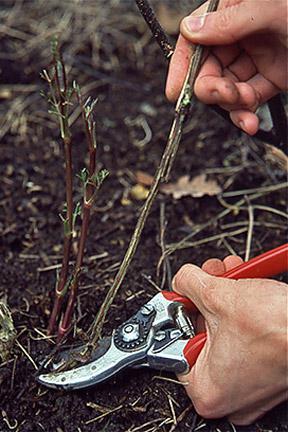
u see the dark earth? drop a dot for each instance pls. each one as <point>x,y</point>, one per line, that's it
<point>108,49</point>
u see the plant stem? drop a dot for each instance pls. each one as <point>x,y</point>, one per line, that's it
<point>162,174</point>
<point>64,326</point>
<point>88,199</point>
<point>60,288</point>
<point>60,97</point>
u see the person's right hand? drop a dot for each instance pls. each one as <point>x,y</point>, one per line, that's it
<point>242,370</point>
<point>247,62</point>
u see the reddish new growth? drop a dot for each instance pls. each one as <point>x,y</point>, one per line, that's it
<point>60,98</point>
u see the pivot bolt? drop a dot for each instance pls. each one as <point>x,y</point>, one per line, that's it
<point>130,332</point>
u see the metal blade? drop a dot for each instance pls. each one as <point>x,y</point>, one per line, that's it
<point>102,367</point>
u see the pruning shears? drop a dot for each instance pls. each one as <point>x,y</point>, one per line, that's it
<point>160,335</point>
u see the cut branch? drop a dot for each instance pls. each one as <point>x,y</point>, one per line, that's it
<point>162,174</point>
<point>155,27</point>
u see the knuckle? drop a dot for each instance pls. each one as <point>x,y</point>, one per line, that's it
<point>209,294</point>
<point>219,295</point>
<point>183,275</point>
<point>225,20</point>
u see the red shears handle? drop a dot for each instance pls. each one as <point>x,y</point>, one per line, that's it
<point>265,265</point>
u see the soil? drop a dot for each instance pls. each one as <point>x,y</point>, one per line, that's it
<point>128,73</point>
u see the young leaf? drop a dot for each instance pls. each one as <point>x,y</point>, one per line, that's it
<point>76,213</point>
<point>83,175</point>
<point>61,76</point>
<point>99,177</point>
<point>54,45</point>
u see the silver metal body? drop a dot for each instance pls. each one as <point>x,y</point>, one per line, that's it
<point>155,336</point>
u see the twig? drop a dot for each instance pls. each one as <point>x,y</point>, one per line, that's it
<point>103,415</point>
<point>269,188</point>
<point>27,355</point>
<point>166,264</point>
<point>174,381</point>
<point>271,210</point>
<point>138,428</point>
<point>228,247</point>
<point>256,224</point>
<point>212,238</point>
<point>151,282</point>
<point>180,418</point>
<point>250,230</point>
<point>155,27</point>
<point>199,228</point>
<point>162,174</point>
<point>172,409</point>
<point>200,425</point>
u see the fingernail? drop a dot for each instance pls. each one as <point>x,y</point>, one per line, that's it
<point>194,24</point>
<point>215,94</point>
<point>173,284</point>
<point>242,125</point>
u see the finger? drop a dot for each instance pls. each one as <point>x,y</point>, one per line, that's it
<point>263,87</point>
<point>213,266</point>
<point>231,22</point>
<point>212,88</point>
<point>232,261</point>
<point>179,63</point>
<point>228,94</point>
<point>178,68</point>
<point>201,288</point>
<point>249,98</point>
<point>245,120</point>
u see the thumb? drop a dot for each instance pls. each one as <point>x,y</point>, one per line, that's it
<point>201,288</point>
<point>232,22</point>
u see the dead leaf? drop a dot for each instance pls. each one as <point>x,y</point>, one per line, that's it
<point>125,201</point>
<point>197,187</point>
<point>143,178</point>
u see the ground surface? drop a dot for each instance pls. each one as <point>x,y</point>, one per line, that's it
<point>108,49</point>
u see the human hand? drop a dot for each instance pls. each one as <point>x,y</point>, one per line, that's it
<point>246,63</point>
<point>242,370</point>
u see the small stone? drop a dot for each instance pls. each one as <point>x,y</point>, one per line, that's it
<point>139,192</point>
<point>148,109</point>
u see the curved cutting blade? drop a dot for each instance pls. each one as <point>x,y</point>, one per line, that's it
<point>103,365</point>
